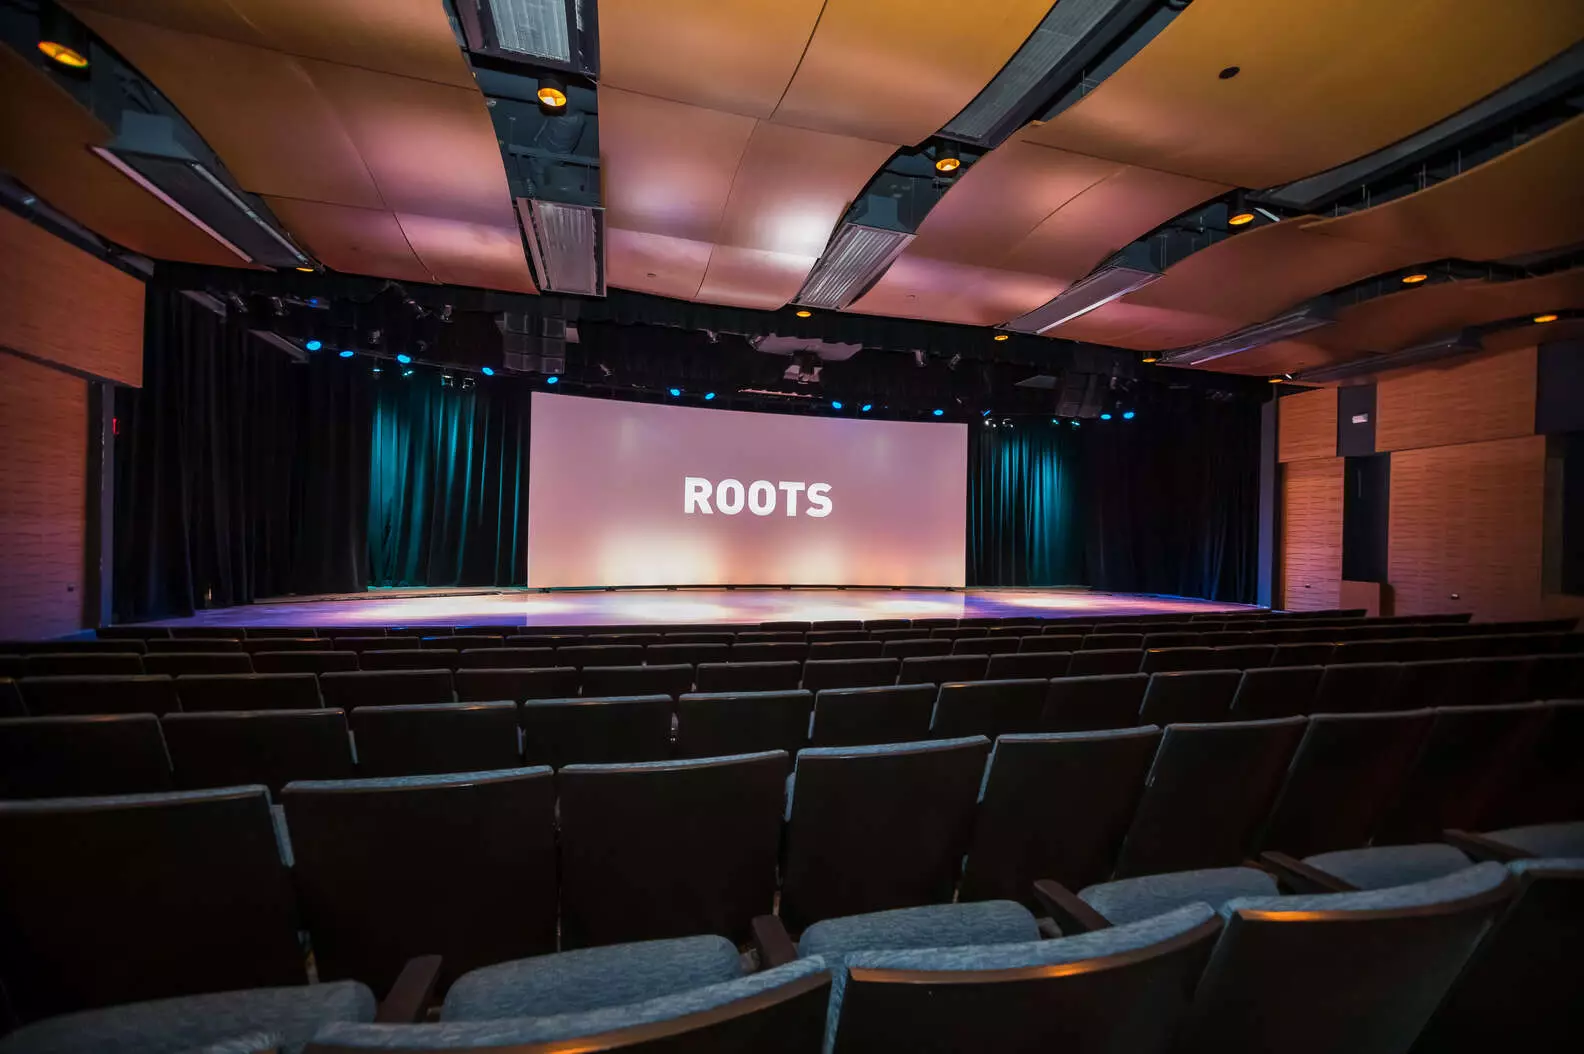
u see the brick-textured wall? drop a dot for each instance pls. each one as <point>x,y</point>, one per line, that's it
<point>1311,493</point>
<point>43,465</point>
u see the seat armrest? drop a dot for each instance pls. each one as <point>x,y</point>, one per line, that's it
<point>1063,905</point>
<point>410,996</point>
<point>1300,877</point>
<point>1481,848</point>
<point>771,940</point>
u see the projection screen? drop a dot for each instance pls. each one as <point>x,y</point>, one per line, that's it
<point>633,494</point>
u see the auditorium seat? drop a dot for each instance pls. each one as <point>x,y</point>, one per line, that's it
<point>59,757</point>
<point>139,633</point>
<point>901,633</point>
<point>1063,642</point>
<point>408,659</point>
<point>197,644</point>
<point>933,623</point>
<point>670,680</point>
<point>381,643</point>
<point>121,899</point>
<point>768,651</point>
<point>988,708</point>
<point>937,669</point>
<point>1277,691</point>
<point>957,632</point>
<point>1066,627</point>
<point>115,646</point>
<point>1360,688</point>
<point>698,838</point>
<point>248,691</point>
<point>1241,656</point>
<point>278,632</point>
<point>460,866</point>
<point>1209,790</point>
<point>1556,677</point>
<point>1105,661</point>
<point>715,724</point>
<point>488,685</point>
<point>543,640</point>
<point>786,625</point>
<point>725,638</point>
<point>334,632</point>
<point>272,747</point>
<point>1170,659</point>
<point>747,676</point>
<point>835,636</point>
<point>1302,654</point>
<point>11,699</point>
<point>1113,641</point>
<point>870,828</point>
<point>252,646</point>
<point>759,636</point>
<point>1545,783</point>
<point>850,673</point>
<point>985,645</point>
<point>879,714</point>
<point>197,662</point>
<point>874,624</point>
<point>505,658</point>
<point>463,641</point>
<point>1015,628</point>
<point>1189,695</point>
<point>1172,639</point>
<point>560,732</point>
<point>673,651</point>
<point>427,738</point>
<point>845,649</point>
<point>304,661</point>
<point>914,647</point>
<point>1055,806</point>
<point>1123,988</point>
<point>1041,664</point>
<point>80,664</point>
<point>643,639</point>
<point>64,696</point>
<point>348,691</point>
<point>1345,773</point>
<point>1376,650</point>
<point>1085,704</point>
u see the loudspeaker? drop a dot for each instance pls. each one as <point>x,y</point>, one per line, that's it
<point>1081,395</point>
<point>532,345</point>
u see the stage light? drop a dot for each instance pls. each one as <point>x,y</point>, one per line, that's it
<point>946,159</point>
<point>1002,336</point>
<point>836,404</point>
<point>1105,417</point>
<point>1276,380</point>
<point>488,371</point>
<point>1127,415</point>
<point>1240,218</point>
<point>708,396</point>
<point>404,359</point>
<point>938,413</point>
<point>984,413</point>
<point>552,92</point>
<point>376,371</point>
<point>306,268</point>
<point>803,312</point>
<point>1150,358</point>
<point>866,407</point>
<point>552,379</point>
<point>1075,424</point>
<point>676,392</point>
<point>66,56</point>
<point>1541,319</point>
<point>1415,278</point>
<point>313,345</point>
<point>347,353</point>
<point>407,373</point>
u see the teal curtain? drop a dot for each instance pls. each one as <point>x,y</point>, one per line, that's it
<point>448,483</point>
<point>1023,528</point>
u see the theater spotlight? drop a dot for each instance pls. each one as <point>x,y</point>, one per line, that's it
<point>313,345</point>
<point>552,379</point>
<point>62,40</point>
<point>552,92</point>
<point>947,160</point>
<point>1542,319</point>
<point>938,412</point>
<point>1105,417</point>
<point>404,359</point>
<point>1415,278</point>
<point>866,407</point>
<point>1002,336</point>
<point>803,312</point>
<point>347,353</point>
<point>708,396</point>
<point>1127,415</point>
<point>984,413</point>
<point>488,371</point>
<point>676,393</point>
<point>836,404</point>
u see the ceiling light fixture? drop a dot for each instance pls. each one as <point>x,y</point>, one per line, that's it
<point>803,312</point>
<point>1415,278</point>
<point>1541,319</point>
<point>1150,358</point>
<point>1002,336</point>
<point>63,54</point>
<point>552,92</point>
<point>1240,218</point>
<point>1083,296</point>
<point>947,160</point>
<point>306,268</point>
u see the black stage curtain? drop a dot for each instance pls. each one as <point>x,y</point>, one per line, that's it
<point>448,500</point>
<point>239,472</point>
<point>1023,509</point>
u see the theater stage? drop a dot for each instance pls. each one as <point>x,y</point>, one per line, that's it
<point>523,607</point>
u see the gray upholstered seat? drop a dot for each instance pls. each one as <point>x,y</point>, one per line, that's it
<point>1544,839</point>
<point>930,926</point>
<point>1390,865</point>
<point>290,1015</point>
<point>569,1024</point>
<point>1467,882</point>
<point>1131,899</point>
<point>591,978</point>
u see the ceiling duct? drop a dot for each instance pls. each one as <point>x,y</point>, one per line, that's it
<point>562,34</point>
<point>1462,344</point>
<point>1311,316</point>
<point>855,259</point>
<point>566,243</point>
<point>1071,35</point>
<point>1083,296</point>
<point>149,151</point>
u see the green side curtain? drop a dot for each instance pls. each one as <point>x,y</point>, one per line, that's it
<point>448,483</point>
<point>1022,493</point>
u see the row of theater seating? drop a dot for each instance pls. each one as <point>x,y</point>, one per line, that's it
<point>216,890</point>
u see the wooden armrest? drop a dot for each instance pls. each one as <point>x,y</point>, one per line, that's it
<point>1300,877</point>
<point>771,940</point>
<point>410,995</point>
<point>1070,913</point>
<point>1480,847</point>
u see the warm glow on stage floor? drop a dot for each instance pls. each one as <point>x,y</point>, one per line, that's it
<point>520,607</point>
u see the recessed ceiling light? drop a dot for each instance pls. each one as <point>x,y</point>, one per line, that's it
<point>1002,336</point>
<point>1151,358</point>
<point>552,92</point>
<point>1241,218</point>
<point>1545,318</point>
<point>66,56</point>
<point>803,312</point>
<point>1415,278</point>
<point>305,267</point>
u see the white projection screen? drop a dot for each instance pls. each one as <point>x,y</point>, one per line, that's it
<point>636,494</point>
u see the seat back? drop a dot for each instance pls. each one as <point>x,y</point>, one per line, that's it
<point>272,747</point>
<point>489,685</point>
<point>1546,783</point>
<point>461,866</point>
<point>197,644</point>
<point>871,828</point>
<point>984,645</point>
<point>988,708</point>
<point>892,713</point>
<point>1161,660</point>
<point>1345,773</point>
<point>1125,988</point>
<point>597,731</point>
<point>1275,691</point>
<point>348,691</point>
<point>122,899</point>
<point>1241,656</point>
<point>715,724</point>
<point>1556,677</point>
<point>845,649</point>
<point>66,696</point>
<point>176,663</point>
<point>915,647</point>
<point>713,638</point>
<point>1055,806</point>
<point>81,664</point>
<point>1206,795</point>
<point>464,641</point>
<point>1095,663</point>
<point>321,661</point>
<point>938,669</point>
<point>1086,704</point>
<point>11,699</point>
<point>581,655</point>
<point>672,680</point>
<point>431,738</point>
<point>1360,972</point>
<point>1052,642</point>
<point>1357,688</point>
<point>1041,664</point>
<point>248,691</point>
<point>699,838</point>
<point>692,653</point>
<point>1302,654</point>
<point>378,643</point>
<point>749,650</point>
<point>850,673</point>
<point>61,757</point>
<point>748,676</point>
<point>505,658</point>
<point>1189,695</point>
<point>1102,640</point>
<point>408,659</point>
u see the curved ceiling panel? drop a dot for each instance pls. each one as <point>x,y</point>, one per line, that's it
<point>45,138</point>
<point>1273,360</point>
<point>737,57</point>
<point>1237,282</point>
<point>943,291</point>
<point>1313,91</point>
<point>350,239</point>
<point>1528,200</point>
<point>754,278</point>
<point>1529,336</point>
<point>898,70</point>
<point>655,263</point>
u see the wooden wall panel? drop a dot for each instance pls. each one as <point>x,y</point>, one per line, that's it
<point>43,488</point>
<point>1479,399</point>
<point>1466,528</point>
<point>1307,425</point>
<point>59,304</point>
<point>1311,493</point>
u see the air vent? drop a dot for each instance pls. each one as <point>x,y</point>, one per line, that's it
<point>1461,344</point>
<point>557,33</point>
<point>855,260</point>
<point>567,244</point>
<point>1284,327</point>
<point>1080,298</point>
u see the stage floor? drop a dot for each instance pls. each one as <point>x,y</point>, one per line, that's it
<point>522,607</point>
